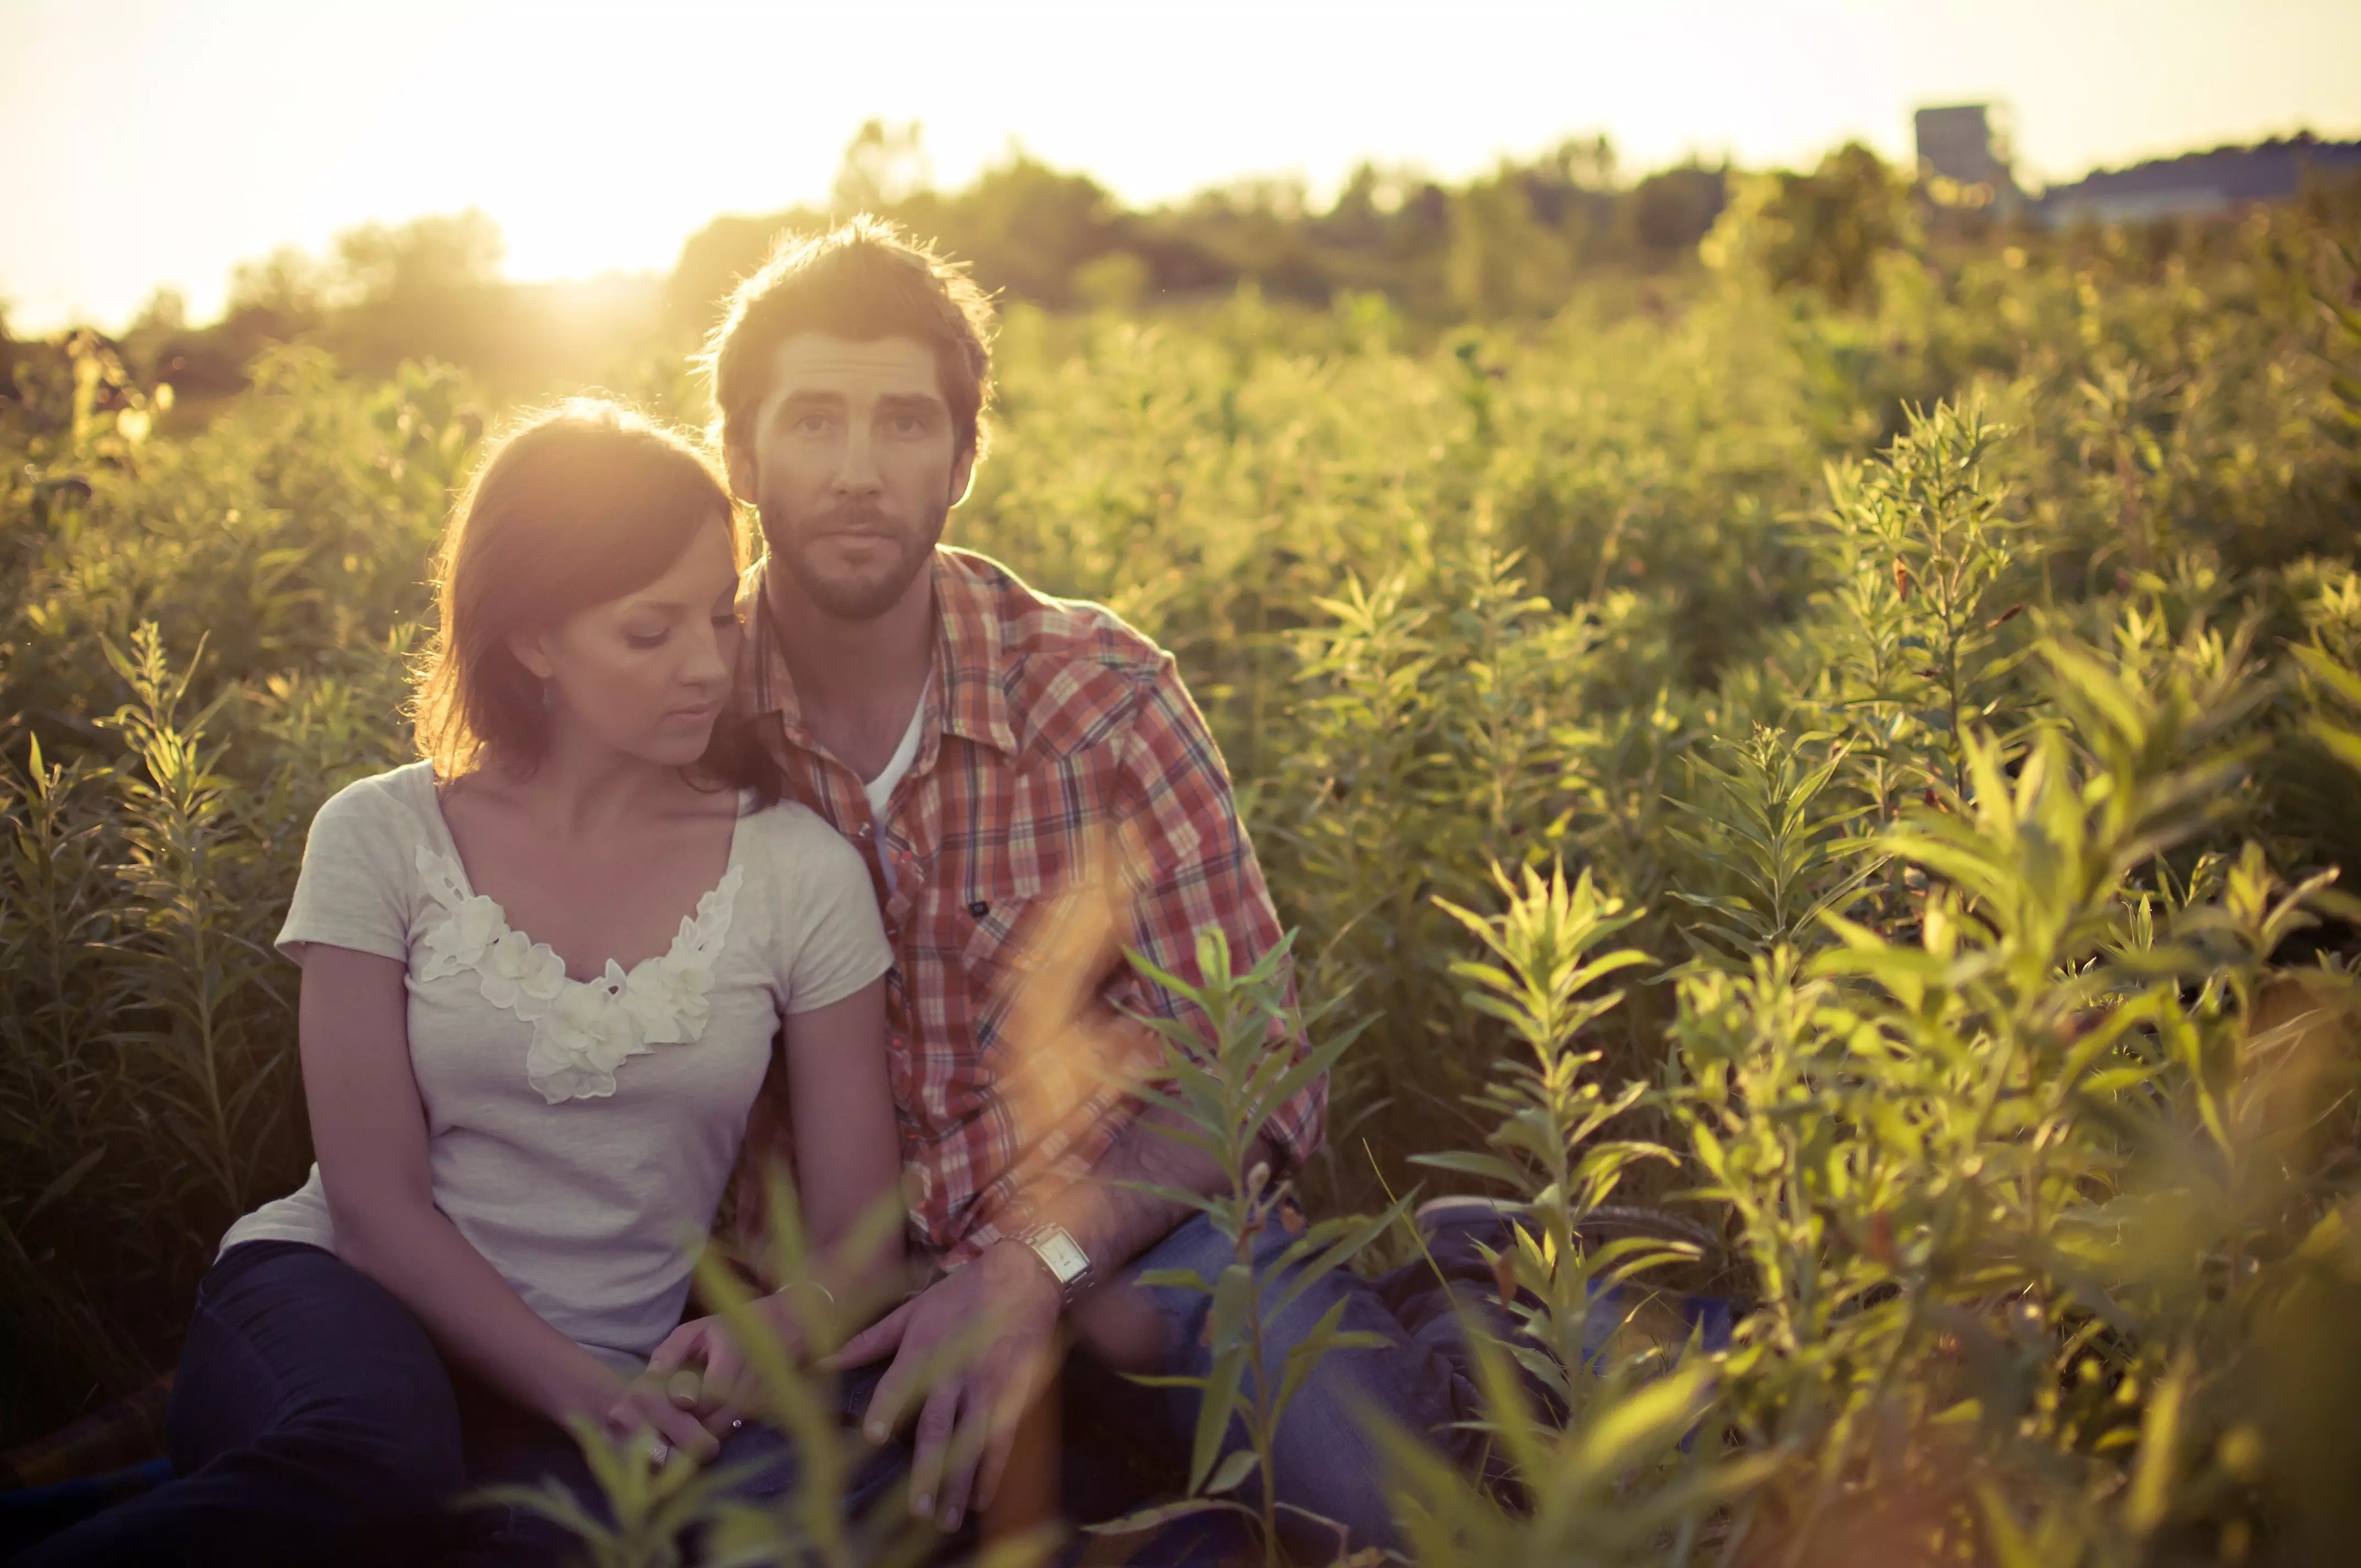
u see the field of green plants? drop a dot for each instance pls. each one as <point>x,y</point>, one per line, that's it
<point>1867,767</point>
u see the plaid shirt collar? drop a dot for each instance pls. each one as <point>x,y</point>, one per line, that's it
<point>965,690</point>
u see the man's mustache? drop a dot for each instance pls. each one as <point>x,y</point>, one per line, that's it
<point>859,518</point>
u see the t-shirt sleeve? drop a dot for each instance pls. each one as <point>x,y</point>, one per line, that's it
<point>832,942</point>
<point>354,888</point>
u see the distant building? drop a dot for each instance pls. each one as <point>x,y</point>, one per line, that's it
<point>1963,159</point>
<point>2199,184</point>
<point>1956,143</point>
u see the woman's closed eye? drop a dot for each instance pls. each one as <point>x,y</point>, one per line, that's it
<point>647,639</point>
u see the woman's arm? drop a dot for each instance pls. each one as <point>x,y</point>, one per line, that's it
<point>848,1150</point>
<point>369,1130</point>
<point>848,1163</point>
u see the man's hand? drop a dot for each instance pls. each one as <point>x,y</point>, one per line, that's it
<point>1007,1304</point>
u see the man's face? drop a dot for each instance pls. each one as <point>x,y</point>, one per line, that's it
<point>852,461</point>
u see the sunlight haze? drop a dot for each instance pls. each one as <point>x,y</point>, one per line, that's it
<point>161,143</point>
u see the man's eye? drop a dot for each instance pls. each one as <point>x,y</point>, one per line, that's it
<point>908,424</point>
<point>812,424</point>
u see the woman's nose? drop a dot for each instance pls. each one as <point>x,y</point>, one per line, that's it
<point>708,662</point>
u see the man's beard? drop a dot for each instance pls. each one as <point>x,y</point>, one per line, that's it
<point>848,594</point>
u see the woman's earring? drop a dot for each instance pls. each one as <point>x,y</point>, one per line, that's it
<point>548,693</point>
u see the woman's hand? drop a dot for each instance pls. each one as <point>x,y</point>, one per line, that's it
<point>644,1406</point>
<point>706,1349</point>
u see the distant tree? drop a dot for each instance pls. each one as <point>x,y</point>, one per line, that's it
<point>1507,257</point>
<point>376,264</point>
<point>716,256</point>
<point>280,295</point>
<point>277,299</point>
<point>1676,208</point>
<point>1358,218</point>
<point>882,167</point>
<point>1258,230</point>
<point>1023,225</point>
<point>155,333</point>
<point>425,289</point>
<point>1822,230</point>
<point>167,311</point>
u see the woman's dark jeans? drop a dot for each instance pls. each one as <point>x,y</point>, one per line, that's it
<point>313,1422</point>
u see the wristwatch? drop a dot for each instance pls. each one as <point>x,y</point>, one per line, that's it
<point>1063,1254</point>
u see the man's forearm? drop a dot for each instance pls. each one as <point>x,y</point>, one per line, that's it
<point>1113,1222</point>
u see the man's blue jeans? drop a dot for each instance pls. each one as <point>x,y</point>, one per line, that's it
<point>313,1421</point>
<point>1327,1462</point>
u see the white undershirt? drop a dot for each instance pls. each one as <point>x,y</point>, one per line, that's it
<point>881,789</point>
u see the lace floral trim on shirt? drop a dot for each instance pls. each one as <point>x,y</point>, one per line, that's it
<point>582,1030</point>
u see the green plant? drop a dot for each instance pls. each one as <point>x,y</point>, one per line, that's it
<point>1795,860</point>
<point>183,966</point>
<point>1548,1114</point>
<point>1224,1088</point>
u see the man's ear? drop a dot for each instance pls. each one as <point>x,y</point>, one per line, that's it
<point>744,478</point>
<point>962,473</point>
<point>529,652</point>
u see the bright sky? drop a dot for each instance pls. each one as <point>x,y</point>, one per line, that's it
<point>161,141</point>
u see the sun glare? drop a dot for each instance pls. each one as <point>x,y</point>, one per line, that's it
<point>600,137</point>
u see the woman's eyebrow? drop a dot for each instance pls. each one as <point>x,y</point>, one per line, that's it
<point>666,606</point>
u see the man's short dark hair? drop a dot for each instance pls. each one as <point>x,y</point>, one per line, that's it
<point>862,280</point>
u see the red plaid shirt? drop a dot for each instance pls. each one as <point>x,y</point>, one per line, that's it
<point>1050,729</point>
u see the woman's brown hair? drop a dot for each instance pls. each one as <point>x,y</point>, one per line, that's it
<point>574,507</point>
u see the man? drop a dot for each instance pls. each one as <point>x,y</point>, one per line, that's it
<point>994,754</point>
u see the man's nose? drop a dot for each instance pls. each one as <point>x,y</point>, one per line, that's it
<point>856,470</point>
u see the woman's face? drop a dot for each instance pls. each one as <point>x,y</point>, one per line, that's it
<point>647,673</point>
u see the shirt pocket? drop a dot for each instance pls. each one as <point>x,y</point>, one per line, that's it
<point>1035,964</point>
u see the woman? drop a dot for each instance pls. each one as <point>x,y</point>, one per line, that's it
<point>542,970</point>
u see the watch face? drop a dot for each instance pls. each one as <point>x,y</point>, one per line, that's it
<point>1066,1259</point>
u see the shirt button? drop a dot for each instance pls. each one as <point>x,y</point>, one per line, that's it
<point>864,831</point>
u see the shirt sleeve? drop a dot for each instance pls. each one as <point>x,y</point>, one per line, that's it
<point>1193,870</point>
<point>1188,868</point>
<point>834,943</point>
<point>354,890</point>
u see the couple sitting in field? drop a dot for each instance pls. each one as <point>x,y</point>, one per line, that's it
<point>704,864</point>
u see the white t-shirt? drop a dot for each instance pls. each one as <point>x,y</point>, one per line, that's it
<point>880,790</point>
<point>579,1133</point>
